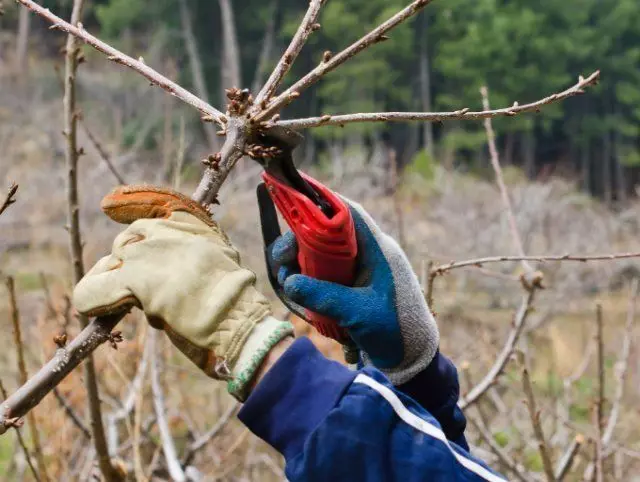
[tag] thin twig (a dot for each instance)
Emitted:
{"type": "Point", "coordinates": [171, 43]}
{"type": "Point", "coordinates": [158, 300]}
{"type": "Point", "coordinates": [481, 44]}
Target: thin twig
{"type": "Point", "coordinates": [116, 56]}
{"type": "Point", "coordinates": [24, 376]}
{"type": "Point", "coordinates": [75, 418]}
{"type": "Point", "coordinates": [495, 163]}
{"type": "Point", "coordinates": [327, 65]}
{"type": "Point", "coordinates": [204, 439]}
{"type": "Point", "coordinates": [102, 152]}
{"type": "Point", "coordinates": [566, 460]}
{"type": "Point", "coordinates": [507, 350]}
{"type": "Point", "coordinates": [599, 405]}
{"type": "Point", "coordinates": [622, 366]}
{"type": "Point", "coordinates": [534, 415]}
{"type": "Point", "coordinates": [10, 197]}
{"type": "Point", "coordinates": [461, 114]}
{"type": "Point", "coordinates": [307, 26]}
{"type": "Point", "coordinates": [168, 447]}
{"type": "Point", "coordinates": [502, 455]}
{"type": "Point", "coordinates": [478, 262]}
{"type": "Point", "coordinates": [129, 401]}
{"type": "Point", "coordinates": [21, 441]}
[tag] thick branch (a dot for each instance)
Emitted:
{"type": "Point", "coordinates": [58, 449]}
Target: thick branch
{"type": "Point", "coordinates": [307, 26]}
{"type": "Point", "coordinates": [49, 376]}
{"type": "Point", "coordinates": [373, 37]}
{"type": "Point", "coordinates": [462, 114]}
{"type": "Point", "coordinates": [10, 198]}
{"type": "Point", "coordinates": [116, 56]}
{"type": "Point", "coordinates": [232, 150]}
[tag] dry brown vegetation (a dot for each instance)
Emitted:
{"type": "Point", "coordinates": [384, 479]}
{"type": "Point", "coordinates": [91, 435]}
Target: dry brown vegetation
{"type": "Point", "coordinates": [584, 386]}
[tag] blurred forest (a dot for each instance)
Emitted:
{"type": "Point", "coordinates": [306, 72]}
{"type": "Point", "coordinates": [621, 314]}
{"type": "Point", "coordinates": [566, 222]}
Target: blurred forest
{"type": "Point", "coordinates": [521, 50]}
{"type": "Point", "coordinates": [570, 170]}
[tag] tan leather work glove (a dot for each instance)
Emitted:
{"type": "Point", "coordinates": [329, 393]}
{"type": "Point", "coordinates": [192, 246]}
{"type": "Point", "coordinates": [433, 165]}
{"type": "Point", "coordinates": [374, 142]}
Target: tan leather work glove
{"type": "Point", "coordinates": [177, 265]}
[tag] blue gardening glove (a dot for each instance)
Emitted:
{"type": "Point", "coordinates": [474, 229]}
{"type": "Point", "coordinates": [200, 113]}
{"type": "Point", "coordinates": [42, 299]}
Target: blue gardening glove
{"type": "Point", "coordinates": [385, 313]}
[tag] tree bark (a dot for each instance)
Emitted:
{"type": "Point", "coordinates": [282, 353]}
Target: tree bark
{"type": "Point", "coordinates": [529, 153]}
{"type": "Point", "coordinates": [22, 41]}
{"type": "Point", "coordinates": [585, 167]}
{"type": "Point", "coordinates": [621, 185]}
{"type": "Point", "coordinates": [197, 73]}
{"type": "Point", "coordinates": [231, 70]}
{"type": "Point", "coordinates": [75, 239]}
{"type": "Point", "coordinates": [425, 84]}
{"type": "Point", "coordinates": [607, 191]}
{"type": "Point", "coordinates": [268, 42]}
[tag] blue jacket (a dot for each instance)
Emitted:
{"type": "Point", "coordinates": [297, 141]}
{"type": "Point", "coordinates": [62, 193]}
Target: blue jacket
{"type": "Point", "coordinates": [334, 424]}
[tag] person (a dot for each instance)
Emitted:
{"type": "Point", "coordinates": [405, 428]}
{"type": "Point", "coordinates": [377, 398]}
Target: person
{"type": "Point", "coordinates": [393, 419]}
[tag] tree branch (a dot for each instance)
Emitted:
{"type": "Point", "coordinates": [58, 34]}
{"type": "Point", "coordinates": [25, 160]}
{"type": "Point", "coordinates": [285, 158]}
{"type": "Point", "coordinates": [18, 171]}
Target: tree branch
{"type": "Point", "coordinates": [104, 155]}
{"type": "Point", "coordinates": [72, 51]}
{"type": "Point", "coordinates": [373, 37]}
{"type": "Point", "coordinates": [478, 262]}
{"type": "Point", "coordinates": [115, 55]}
{"type": "Point", "coordinates": [10, 198]}
{"type": "Point", "coordinates": [503, 358]}
{"type": "Point", "coordinates": [534, 415]}
{"type": "Point", "coordinates": [306, 28]}
{"type": "Point", "coordinates": [22, 369]}
{"type": "Point", "coordinates": [21, 441]}
{"type": "Point", "coordinates": [566, 461]}
{"type": "Point", "coordinates": [75, 418]}
{"type": "Point", "coordinates": [599, 405]}
{"type": "Point", "coordinates": [462, 114]}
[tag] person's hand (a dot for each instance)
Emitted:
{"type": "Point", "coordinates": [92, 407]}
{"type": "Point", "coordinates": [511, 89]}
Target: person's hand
{"type": "Point", "coordinates": [177, 265]}
{"type": "Point", "coordinates": [385, 313]}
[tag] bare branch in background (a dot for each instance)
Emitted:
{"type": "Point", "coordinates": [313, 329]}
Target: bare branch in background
{"type": "Point", "coordinates": [168, 446]}
{"type": "Point", "coordinates": [21, 441]}
{"type": "Point", "coordinates": [331, 62]}
{"type": "Point", "coordinates": [267, 48]}
{"type": "Point", "coordinates": [306, 28]}
{"type": "Point", "coordinates": [566, 461]}
{"type": "Point", "coordinates": [462, 114]}
{"type": "Point", "coordinates": [504, 193]}
{"type": "Point", "coordinates": [204, 439]}
{"type": "Point", "coordinates": [622, 366]}
{"type": "Point", "coordinates": [129, 402]}
{"type": "Point", "coordinates": [24, 376]}
{"type": "Point", "coordinates": [502, 455]}
{"type": "Point", "coordinates": [10, 198]}
{"type": "Point", "coordinates": [534, 415]}
{"type": "Point", "coordinates": [197, 73]}
{"type": "Point", "coordinates": [599, 405]}
{"type": "Point", "coordinates": [73, 153]}
{"type": "Point", "coordinates": [102, 152]}
{"type": "Point", "coordinates": [505, 354]}
{"type": "Point", "coordinates": [75, 418]}
{"type": "Point", "coordinates": [479, 262]}
{"type": "Point", "coordinates": [116, 56]}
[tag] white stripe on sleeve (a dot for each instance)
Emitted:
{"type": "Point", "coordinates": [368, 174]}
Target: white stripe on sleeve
{"type": "Point", "coordinates": [425, 427]}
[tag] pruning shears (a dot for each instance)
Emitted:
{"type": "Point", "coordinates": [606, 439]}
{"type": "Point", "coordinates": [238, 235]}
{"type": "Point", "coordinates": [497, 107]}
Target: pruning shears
{"type": "Point", "coordinates": [319, 218]}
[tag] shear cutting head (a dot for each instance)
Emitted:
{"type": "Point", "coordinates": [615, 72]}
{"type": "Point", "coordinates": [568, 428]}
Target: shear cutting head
{"type": "Point", "coordinates": [276, 145]}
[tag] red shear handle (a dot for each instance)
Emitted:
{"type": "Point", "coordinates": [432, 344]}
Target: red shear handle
{"type": "Point", "coordinates": [327, 247]}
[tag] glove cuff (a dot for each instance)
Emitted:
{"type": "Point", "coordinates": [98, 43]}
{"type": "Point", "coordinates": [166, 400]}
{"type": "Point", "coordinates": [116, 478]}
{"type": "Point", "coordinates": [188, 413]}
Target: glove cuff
{"type": "Point", "coordinates": [265, 335]}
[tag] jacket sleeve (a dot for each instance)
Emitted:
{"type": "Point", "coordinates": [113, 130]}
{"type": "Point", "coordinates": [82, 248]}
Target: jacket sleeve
{"type": "Point", "coordinates": [442, 403]}
{"type": "Point", "coordinates": [331, 423]}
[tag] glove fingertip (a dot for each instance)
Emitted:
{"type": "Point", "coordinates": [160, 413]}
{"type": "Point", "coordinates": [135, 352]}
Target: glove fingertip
{"type": "Point", "coordinates": [285, 248]}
